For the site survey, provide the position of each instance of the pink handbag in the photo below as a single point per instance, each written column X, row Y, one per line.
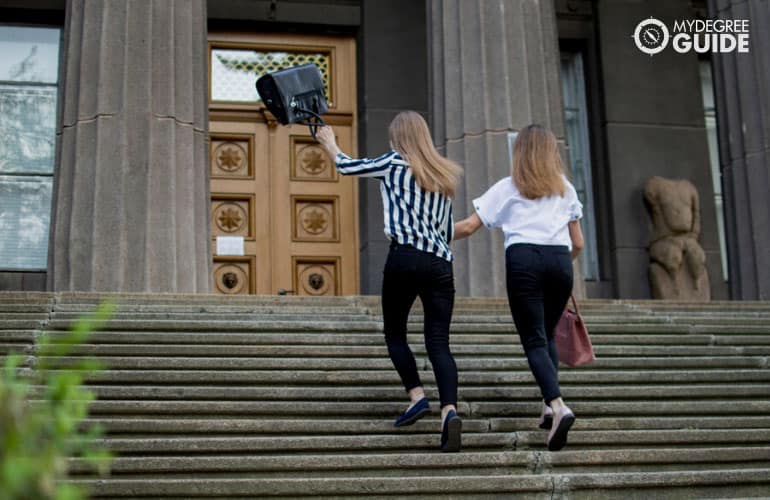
column 572, row 340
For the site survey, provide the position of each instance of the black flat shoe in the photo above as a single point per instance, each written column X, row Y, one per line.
column 562, row 421
column 413, row 414
column 451, row 433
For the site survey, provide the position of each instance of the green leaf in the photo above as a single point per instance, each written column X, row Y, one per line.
column 43, row 424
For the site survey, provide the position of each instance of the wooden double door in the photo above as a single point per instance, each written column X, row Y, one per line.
column 275, row 194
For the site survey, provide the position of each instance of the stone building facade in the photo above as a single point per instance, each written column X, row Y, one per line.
column 128, row 153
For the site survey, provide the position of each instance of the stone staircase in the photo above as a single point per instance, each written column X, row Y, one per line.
column 251, row 397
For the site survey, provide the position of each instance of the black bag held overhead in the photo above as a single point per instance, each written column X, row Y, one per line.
column 295, row 95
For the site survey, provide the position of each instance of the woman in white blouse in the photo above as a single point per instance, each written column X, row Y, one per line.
column 539, row 212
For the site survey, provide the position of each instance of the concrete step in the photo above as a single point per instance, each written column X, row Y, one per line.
column 380, row 363
column 634, row 460
column 293, row 325
column 223, row 309
column 428, row 441
column 615, row 319
column 585, row 440
column 462, row 303
column 203, row 313
column 371, row 339
column 227, row 425
column 324, row 465
column 16, row 348
column 355, row 487
column 190, row 425
column 641, row 422
column 396, row 393
column 20, row 315
column 683, row 407
column 204, row 317
column 368, row 377
column 18, row 335
column 26, row 298
column 740, row 482
column 289, row 444
column 372, row 324
column 22, row 324
column 380, row 351
column 261, row 396
column 254, row 409
column 482, row 314
column 416, row 464
column 88, row 298
column 378, row 409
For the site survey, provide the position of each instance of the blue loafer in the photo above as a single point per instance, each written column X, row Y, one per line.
column 451, row 433
column 413, row 414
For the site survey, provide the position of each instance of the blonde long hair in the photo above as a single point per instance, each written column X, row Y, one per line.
column 537, row 168
column 409, row 135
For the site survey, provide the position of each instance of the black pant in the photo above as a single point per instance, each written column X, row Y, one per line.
column 539, row 283
column 408, row 273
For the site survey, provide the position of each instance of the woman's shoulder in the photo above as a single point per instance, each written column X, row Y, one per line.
column 504, row 186
column 567, row 183
column 500, row 192
column 394, row 158
column 571, row 191
column 390, row 154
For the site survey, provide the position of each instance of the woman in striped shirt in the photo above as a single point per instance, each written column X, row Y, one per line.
column 417, row 185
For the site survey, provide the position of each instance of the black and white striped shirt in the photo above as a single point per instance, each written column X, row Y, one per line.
column 412, row 215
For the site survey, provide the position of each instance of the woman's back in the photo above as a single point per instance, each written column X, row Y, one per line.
column 417, row 184
column 539, row 221
column 412, row 215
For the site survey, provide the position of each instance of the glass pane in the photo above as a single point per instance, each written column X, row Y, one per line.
column 25, row 206
column 27, row 129
column 576, row 124
column 29, row 54
column 234, row 72
column 710, row 115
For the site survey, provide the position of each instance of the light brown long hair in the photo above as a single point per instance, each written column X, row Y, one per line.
column 537, row 168
column 409, row 135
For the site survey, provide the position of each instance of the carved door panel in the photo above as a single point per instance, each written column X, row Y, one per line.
column 273, row 185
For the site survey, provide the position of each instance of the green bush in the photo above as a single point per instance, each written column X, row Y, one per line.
column 42, row 413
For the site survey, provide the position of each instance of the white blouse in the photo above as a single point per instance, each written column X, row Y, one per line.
column 542, row 221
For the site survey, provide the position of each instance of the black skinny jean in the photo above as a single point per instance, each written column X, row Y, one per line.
column 410, row 273
column 539, row 283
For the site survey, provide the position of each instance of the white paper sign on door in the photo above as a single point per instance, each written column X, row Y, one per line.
column 229, row 245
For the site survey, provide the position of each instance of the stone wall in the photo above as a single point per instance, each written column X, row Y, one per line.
column 742, row 88
column 654, row 125
column 495, row 69
column 393, row 69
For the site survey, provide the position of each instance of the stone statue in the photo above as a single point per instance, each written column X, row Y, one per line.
column 677, row 261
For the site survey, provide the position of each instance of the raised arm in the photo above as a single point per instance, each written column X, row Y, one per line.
column 467, row 227
column 346, row 165
column 326, row 137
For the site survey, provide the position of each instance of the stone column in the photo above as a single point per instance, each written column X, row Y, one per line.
column 390, row 83
column 131, row 203
column 495, row 69
column 742, row 89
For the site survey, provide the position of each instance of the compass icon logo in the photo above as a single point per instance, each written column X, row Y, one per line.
column 651, row 36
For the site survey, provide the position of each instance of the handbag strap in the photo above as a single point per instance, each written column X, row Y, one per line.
column 574, row 304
